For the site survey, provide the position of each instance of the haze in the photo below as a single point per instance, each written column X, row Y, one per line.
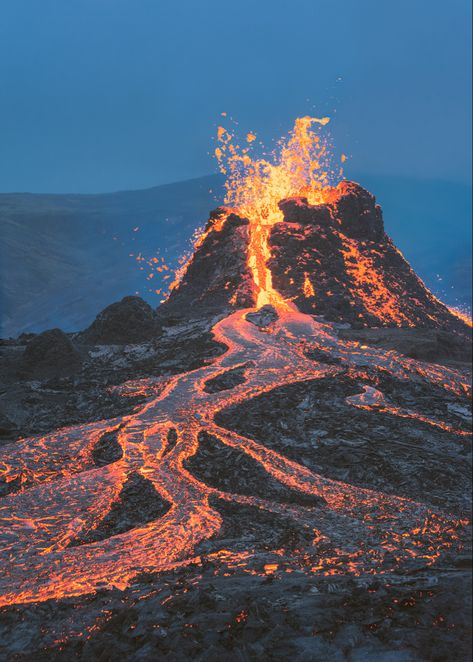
column 102, row 95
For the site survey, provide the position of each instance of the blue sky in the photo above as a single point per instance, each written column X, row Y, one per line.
column 101, row 95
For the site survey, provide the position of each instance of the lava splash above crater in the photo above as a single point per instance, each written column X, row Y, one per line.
column 293, row 232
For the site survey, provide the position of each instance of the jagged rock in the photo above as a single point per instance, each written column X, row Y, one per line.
column 107, row 449
column 423, row 344
column 335, row 260
column 263, row 317
column 217, row 278
column 358, row 213
column 7, row 426
column 313, row 424
column 298, row 210
column 130, row 320
column 50, row 354
column 138, row 503
column 227, row 380
column 231, row 470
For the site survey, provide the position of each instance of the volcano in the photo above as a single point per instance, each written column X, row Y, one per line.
column 248, row 480
column 332, row 260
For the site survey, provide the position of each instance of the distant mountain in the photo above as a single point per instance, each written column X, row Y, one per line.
column 63, row 258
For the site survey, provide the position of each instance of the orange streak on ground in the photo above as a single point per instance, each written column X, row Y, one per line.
column 464, row 316
column 369, row 286
column 308, row 288
column 39, row 522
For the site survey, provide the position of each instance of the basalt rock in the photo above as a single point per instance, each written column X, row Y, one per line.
column 298, row 210
column 432, row 345
column 217, row 278
column 335, row 260
column 50, row 354
column 359, row 215
column 130, row 320
column 332, row 259
column 263, row 317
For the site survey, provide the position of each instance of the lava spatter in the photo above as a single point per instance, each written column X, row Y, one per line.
column 255, row 187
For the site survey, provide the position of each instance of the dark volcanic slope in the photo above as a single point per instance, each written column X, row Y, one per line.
column 217, row 278
column 333, row 259
column 336, row 260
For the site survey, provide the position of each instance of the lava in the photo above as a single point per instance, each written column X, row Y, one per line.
column 39, row 523
column 308, row 288
column 62, row 494
column 369, row 285
column 255, row 188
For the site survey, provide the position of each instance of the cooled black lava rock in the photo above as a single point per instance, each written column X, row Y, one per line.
column 231, row 470
column 432, row 345
column 50, row 354
column 130, row 320
column 335, row 260
column 7, row 426
column 107, row 449
column 137, row 504
column 226, row 380
column 360, row 216
column 313, row 424
column 255, row 526
column 263, row 317
column 298, row 210
column 217, row 278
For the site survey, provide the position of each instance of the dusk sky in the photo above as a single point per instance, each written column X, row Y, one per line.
column 102, row 95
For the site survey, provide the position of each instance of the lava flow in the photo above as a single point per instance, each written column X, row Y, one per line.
column 63, row 496
column 255, row 188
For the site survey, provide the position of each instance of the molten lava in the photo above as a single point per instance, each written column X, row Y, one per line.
column 63, row 494
column 255, row 188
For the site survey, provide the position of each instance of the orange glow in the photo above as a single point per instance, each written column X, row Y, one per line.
column 463, row 315
column 369, row 286
column 62, row 494
column 301, row 166
column 270, row 568
column 308, row 288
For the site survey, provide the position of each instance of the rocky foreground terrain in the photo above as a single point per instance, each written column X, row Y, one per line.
column 248, row 594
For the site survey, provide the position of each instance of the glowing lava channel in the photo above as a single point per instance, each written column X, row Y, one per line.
column 302, row 166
